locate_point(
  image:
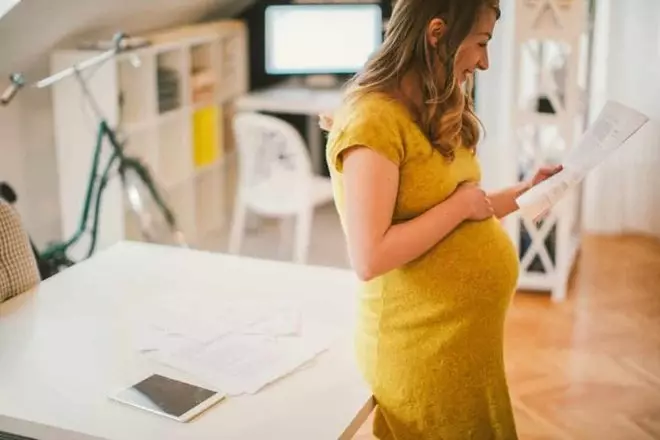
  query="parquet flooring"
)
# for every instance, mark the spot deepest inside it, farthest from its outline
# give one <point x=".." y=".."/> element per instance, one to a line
<point x="589" y="368"/>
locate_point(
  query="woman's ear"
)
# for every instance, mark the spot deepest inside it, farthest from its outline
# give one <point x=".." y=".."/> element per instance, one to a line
<point x="435" y="30"/>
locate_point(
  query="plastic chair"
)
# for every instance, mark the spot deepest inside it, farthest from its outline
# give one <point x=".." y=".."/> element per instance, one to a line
<point x="275" y="179"/>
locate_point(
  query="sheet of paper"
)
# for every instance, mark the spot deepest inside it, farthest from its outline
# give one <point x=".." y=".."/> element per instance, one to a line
<point x="151" y="339"/>
<point x="538" y="201"/>
<point x="615" y="124"/>
<point x="258" y="317"/>
<point x="239" y="364"/>
<point x="281" y="322"/>
<point x="238" y="346"/>
<point x="182" y="320"/>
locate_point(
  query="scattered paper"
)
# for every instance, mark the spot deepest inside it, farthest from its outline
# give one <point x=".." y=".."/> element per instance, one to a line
<point x="239" y="364"/>
<point x="281" y="322"/>
<point x="151" y="340"/>
<point x="614" y="126"/>
<point x="170" y="325"/>
<point x="238" y="346"/>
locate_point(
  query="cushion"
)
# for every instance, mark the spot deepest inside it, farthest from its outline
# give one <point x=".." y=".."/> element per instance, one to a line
<point x="18" y="267"/>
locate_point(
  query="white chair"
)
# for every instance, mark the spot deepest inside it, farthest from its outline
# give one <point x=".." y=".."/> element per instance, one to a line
<point x="275" y="179"/>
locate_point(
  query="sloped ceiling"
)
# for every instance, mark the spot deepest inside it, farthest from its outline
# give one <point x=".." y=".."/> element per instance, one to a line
<point x="6" y="5"/>
<point x="30" y="30"/>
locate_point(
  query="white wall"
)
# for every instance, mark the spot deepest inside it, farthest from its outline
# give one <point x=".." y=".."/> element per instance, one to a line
<point x="623" y="195"/>
<point x="494" y="94"/>
<point x="27" y="159"/>
<point x="29" y="32"/>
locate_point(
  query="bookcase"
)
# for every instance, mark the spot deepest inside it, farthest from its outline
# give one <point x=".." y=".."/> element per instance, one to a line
<point x="170" y="100"/>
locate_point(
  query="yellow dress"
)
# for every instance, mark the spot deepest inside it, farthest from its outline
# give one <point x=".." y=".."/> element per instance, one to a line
<point x="430" y="334"/>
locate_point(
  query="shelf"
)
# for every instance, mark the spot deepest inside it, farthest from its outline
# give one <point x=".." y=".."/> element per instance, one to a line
<point x="181" y="199"/>
<point x="137" y="82"/>
<point x="173" y="99"/>
<point x="233" y="78"/>
<point x="169" y="74"/>
<point x="174" y="155"/>
<point x="203" y="83"/>
<point x="142" y="144"/>
<point x="203" y="89"/>
<point x="210" y="200"/>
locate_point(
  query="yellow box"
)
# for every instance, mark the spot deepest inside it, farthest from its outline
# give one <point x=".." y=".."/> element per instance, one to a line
<point x="207" y="135"/>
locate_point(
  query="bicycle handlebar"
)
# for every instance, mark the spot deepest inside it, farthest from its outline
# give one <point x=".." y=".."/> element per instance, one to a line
<point x="18" y="81"/>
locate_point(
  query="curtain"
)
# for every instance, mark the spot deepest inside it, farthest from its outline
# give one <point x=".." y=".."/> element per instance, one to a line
<point x="623" y="194"/>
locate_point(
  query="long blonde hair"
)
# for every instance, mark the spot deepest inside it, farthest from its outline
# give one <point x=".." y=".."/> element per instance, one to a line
<point x="447" y="118"/>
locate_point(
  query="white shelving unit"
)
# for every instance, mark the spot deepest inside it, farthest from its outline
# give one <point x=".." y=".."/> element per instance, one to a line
<point x="550" y="78"/>
<point x="170" y="100"/>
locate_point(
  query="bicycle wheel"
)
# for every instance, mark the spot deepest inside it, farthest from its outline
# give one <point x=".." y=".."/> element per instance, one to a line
<point x="149" y="206"/>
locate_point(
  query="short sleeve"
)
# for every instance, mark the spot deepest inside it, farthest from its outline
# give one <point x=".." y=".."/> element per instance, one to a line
<point x="367" y="125"/>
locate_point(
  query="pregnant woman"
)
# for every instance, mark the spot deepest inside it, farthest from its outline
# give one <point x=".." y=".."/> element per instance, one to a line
<point x="438" y="270"/>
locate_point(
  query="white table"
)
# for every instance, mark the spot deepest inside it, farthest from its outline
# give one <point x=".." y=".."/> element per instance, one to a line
<point x="66" y="346"/>
<point x="298" y="100"/>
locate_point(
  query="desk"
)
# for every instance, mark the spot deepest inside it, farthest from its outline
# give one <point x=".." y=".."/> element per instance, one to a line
<point x="297" y="100"/>
<point x="65" y="346"/>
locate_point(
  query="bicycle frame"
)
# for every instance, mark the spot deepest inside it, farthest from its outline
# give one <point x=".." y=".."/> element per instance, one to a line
<point x="90" y="198"/>
<point x="56" y="254"/>
<point x="93" y="201"/>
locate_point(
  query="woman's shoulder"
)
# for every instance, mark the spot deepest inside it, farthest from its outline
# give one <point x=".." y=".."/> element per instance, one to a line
<point x="373" y="120"/>
<point x="373" y="106"/>
<point x="373" y="111"/>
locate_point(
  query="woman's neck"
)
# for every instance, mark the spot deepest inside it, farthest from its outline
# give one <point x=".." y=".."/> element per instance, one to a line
<point x="409" y="93"/>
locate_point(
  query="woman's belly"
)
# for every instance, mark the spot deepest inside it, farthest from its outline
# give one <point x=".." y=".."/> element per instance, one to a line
<point x="476" y="259"/>
<point x="456" y="293"/>
<point x="476" y="262"/>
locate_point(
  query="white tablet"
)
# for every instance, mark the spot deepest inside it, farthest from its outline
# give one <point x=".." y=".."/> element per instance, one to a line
<point x="169" y="397"/>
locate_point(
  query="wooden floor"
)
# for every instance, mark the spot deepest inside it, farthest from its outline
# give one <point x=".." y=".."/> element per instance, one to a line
<point x="589" y="368"/>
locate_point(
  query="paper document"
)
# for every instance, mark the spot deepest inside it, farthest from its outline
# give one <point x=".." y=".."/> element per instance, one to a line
<point x="614" y="126"/>
<point x="236" y="346"/>
<point x="239" y="364"/>
<point x="183" y="321"/>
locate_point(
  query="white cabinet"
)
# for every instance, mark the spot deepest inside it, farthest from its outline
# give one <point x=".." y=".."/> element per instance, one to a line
<point x="548" y="115"/>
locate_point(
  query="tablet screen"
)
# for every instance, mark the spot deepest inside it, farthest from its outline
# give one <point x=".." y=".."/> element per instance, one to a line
<point x="164" y="395"/>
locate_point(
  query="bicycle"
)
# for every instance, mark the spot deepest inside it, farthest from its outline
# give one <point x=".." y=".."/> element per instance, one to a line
<point x="137" y="182"/>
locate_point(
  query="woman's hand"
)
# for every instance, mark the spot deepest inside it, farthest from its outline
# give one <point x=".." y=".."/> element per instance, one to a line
<point x="473" y="201"/>
<point x="544" y="173"/>
<point x="504" y="201"/>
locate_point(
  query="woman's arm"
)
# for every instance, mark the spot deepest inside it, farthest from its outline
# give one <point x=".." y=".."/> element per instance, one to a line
<point x="375" y="245"/>
<point x="504" y="202"/>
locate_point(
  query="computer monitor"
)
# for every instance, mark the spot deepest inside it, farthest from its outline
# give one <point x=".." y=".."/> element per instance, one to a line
<point x="321" y="39"/>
